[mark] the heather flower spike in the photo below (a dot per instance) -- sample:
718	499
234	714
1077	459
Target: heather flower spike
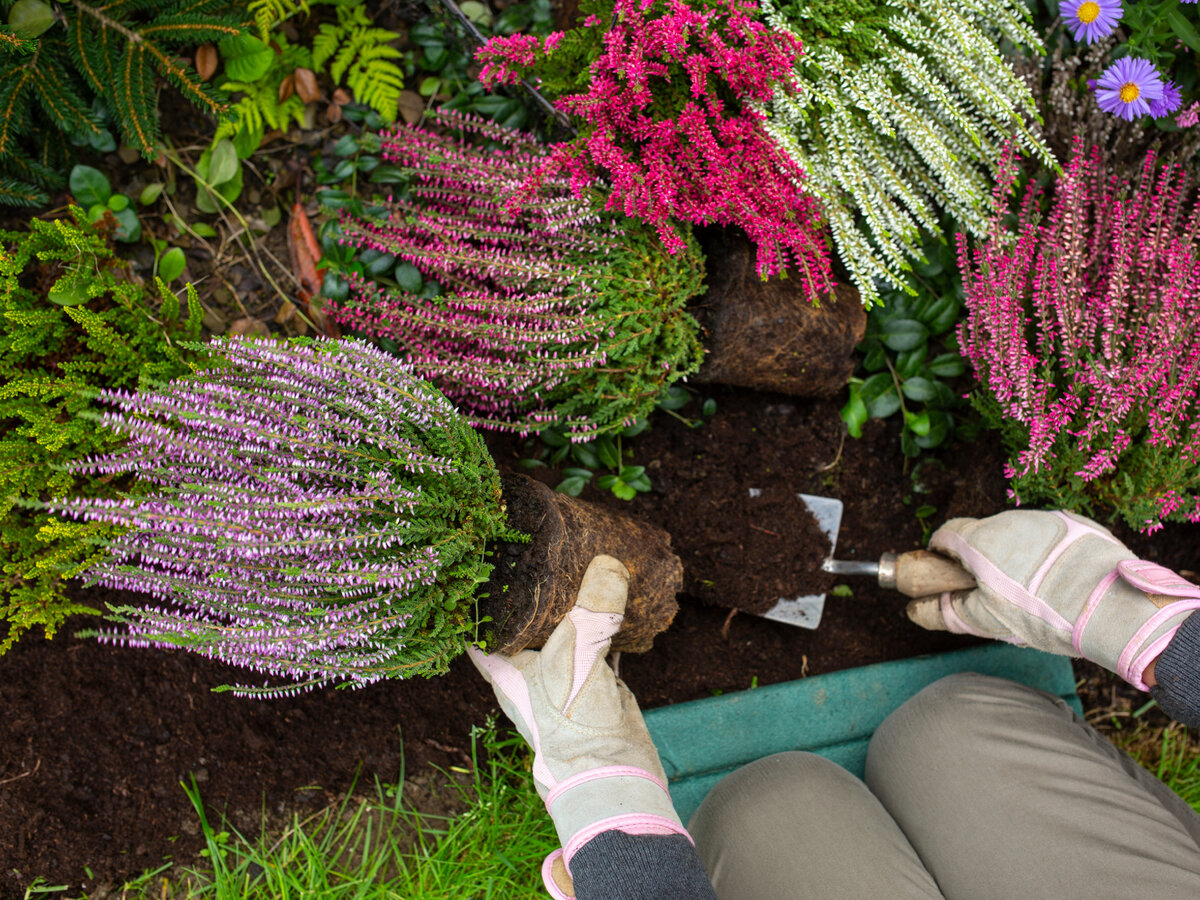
555	315
1091	20
673	128
1129	87
312	511
1084	329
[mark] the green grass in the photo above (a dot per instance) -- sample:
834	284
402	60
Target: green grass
381	848
1171	752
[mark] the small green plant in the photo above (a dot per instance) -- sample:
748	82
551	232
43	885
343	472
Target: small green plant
65	70
590	457
910	356
92	191
71	322
361	57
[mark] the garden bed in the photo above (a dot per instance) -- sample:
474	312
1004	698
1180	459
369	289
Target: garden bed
97	739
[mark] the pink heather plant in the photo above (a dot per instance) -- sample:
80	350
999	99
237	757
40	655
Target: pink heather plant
314	512
1084	328
672	124
552	316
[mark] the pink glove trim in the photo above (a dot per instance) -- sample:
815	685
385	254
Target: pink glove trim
1076	530
548	876
1093	601
508	680
1132	673
1153	650
603	772
1152	578
954	624
989	575
593	634
632	823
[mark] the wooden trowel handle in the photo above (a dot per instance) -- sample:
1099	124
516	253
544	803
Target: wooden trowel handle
920	573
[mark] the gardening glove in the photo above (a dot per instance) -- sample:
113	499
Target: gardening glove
1061	583
594	763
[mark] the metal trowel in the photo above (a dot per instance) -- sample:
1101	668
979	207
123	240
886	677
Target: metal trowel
917	573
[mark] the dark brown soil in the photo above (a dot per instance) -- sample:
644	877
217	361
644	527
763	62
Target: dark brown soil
95	740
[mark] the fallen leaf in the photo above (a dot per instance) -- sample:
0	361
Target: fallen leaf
128	155
286	88
250	326
306	85
412	107
286	313
333	114
340	97
206	61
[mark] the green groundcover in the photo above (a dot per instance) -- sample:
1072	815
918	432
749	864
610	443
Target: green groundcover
833	715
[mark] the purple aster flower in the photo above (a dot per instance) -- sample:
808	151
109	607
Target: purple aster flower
1128	87
1090	20
1169	102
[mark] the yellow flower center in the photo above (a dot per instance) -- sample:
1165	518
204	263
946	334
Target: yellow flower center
1088	12
1129	92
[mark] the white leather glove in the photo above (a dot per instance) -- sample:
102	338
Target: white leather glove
594	763
1061	583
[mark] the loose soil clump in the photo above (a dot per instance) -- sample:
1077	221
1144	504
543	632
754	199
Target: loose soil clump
777	554
534	585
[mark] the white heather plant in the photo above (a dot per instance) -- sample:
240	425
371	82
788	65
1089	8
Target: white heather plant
901	113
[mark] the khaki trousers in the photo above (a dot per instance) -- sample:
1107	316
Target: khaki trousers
976	788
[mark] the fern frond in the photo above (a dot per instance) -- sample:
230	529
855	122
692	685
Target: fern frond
362	59
269	13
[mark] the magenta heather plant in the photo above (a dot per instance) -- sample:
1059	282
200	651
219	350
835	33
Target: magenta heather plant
314	512
1084	328
672	124
553	316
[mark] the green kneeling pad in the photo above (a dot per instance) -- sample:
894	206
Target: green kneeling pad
834	715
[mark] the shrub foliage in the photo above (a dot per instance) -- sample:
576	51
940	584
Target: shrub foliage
1084	328
72	321
316	513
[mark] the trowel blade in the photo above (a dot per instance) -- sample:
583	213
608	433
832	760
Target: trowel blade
806	611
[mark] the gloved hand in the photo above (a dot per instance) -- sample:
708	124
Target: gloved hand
594	763
1062	583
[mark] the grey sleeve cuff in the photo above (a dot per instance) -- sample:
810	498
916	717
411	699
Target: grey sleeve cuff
1178	674
618	866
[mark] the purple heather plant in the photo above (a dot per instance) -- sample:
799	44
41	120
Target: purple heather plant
315	513
553	314
1084	328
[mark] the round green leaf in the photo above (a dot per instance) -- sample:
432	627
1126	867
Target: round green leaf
408	277
919	389
67	292
118	202
909	362
89	186
604	482
623	491
130	228
246	57
585	455
854	414
607	451
223	163
347	145
571	486
204	230
171	265
150	193
947	365
939	429
903	334
918	423
709	408
334	288
942	314
636	428
30	19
